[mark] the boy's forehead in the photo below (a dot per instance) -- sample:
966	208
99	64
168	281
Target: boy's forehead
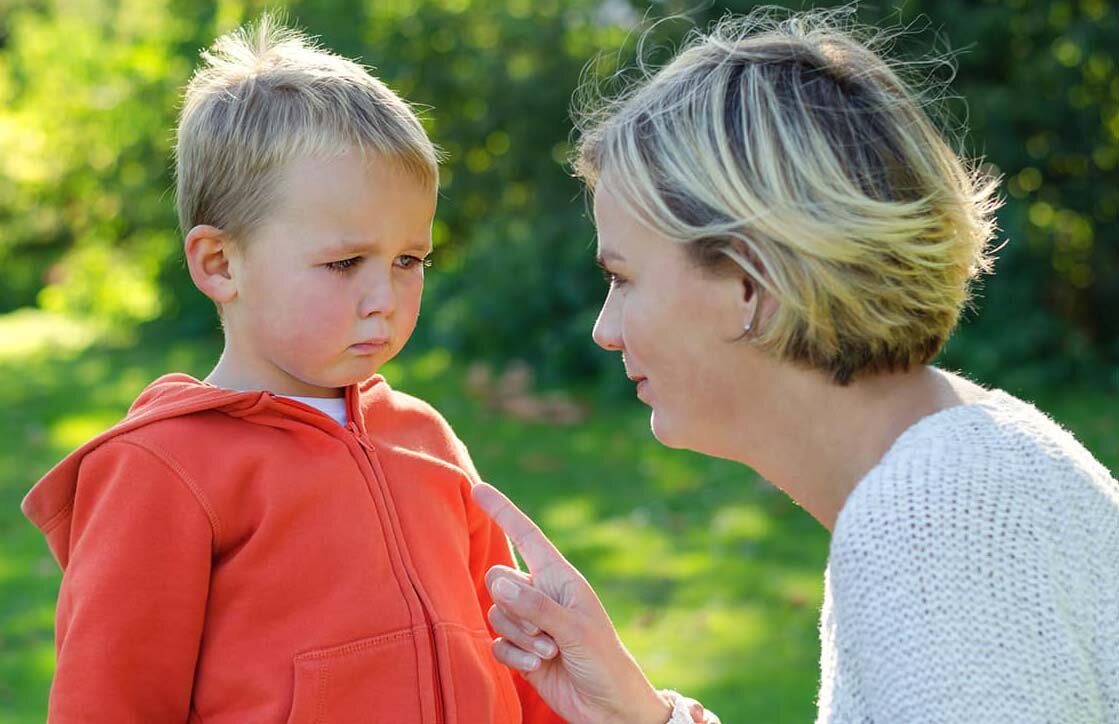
358	244
306	172
341	186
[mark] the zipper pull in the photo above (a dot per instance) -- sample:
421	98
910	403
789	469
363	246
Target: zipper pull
365	444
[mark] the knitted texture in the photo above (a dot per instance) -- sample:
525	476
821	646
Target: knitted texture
973	577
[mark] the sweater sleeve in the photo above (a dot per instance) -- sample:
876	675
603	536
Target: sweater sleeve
133	594
489	547
949	604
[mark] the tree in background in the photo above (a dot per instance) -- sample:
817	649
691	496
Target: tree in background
88	96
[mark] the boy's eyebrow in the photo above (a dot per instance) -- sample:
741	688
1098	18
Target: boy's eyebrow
356	247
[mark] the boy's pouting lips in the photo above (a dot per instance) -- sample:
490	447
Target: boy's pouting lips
327	289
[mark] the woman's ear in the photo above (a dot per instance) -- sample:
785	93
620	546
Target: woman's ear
207	252
756	306
743	268
751	303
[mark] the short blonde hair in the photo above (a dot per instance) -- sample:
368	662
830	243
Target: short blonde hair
266	95
786	145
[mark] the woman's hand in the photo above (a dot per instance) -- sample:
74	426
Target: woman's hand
593	678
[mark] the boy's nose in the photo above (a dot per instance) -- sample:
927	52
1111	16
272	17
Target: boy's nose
379	298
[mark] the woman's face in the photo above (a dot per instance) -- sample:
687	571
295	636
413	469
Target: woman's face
675	324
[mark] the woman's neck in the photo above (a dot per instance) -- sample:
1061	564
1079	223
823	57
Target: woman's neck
817	440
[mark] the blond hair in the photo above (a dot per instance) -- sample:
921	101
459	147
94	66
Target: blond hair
788	146
266	95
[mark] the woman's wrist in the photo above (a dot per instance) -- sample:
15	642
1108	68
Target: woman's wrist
637	702
653	708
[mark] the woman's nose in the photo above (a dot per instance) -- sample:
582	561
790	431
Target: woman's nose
607	328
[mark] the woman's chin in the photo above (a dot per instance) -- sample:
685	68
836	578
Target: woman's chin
664	431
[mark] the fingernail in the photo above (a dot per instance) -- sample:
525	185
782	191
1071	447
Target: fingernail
506	589
544	648
530	629
531	662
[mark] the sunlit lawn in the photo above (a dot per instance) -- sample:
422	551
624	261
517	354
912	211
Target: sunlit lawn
713	577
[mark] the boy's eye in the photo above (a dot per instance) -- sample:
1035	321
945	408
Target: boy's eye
408	261
344	264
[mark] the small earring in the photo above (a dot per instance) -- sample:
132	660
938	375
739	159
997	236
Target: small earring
748	327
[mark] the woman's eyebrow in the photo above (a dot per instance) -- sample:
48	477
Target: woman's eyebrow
604	256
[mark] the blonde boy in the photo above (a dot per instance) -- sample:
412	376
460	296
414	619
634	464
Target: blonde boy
290	539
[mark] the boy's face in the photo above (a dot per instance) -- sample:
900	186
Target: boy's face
328	287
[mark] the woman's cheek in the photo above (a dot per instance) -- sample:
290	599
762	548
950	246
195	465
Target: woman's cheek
636	312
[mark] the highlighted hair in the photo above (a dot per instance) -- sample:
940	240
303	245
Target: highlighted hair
788	146
266	95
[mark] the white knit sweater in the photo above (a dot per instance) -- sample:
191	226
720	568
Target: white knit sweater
973	577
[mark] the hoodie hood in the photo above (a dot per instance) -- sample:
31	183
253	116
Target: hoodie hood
50	501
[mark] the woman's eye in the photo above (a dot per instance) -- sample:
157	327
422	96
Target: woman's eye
344	264
408	262
613	279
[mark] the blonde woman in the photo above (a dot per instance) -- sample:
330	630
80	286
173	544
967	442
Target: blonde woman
790	242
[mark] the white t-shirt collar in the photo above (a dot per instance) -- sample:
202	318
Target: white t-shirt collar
333	407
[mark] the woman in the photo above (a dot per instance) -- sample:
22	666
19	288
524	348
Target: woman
789	242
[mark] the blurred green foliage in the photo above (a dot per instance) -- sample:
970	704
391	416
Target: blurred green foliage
89	92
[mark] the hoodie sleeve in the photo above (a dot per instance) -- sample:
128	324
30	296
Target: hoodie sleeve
133	594
489	547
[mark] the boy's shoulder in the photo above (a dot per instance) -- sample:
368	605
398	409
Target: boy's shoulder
167	427
380	402
189	434
184	423
406	422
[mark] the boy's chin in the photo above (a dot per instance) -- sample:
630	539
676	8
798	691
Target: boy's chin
359	370
336	380
344	372
343	381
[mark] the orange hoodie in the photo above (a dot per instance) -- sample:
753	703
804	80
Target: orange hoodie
240	557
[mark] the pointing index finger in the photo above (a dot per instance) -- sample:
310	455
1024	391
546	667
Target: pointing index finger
529	540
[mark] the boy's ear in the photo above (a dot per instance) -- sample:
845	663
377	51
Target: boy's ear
207	252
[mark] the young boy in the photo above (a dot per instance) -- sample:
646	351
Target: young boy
291	539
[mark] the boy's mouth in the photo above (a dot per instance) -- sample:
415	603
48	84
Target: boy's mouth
370	346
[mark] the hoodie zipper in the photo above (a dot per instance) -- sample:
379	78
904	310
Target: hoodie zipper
437	687
371	454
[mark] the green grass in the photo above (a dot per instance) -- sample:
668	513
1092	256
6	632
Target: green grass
712	576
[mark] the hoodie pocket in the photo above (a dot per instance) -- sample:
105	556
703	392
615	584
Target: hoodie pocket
478	689
372	679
